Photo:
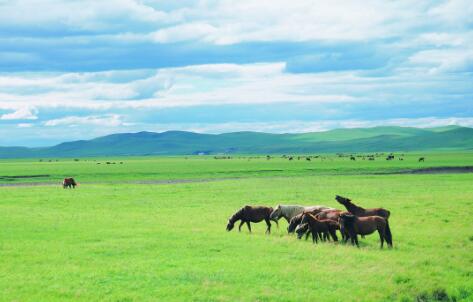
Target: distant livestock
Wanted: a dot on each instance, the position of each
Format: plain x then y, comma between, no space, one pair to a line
421,159
69,183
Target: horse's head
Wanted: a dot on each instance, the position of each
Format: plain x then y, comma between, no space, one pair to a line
301,230
276,214
230,225
341,199
293,223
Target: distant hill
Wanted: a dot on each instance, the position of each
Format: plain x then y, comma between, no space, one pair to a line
188,143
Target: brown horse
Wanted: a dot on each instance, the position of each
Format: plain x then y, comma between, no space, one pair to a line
335,216
320,227
69,183
361,212
249,214
355,226
296,220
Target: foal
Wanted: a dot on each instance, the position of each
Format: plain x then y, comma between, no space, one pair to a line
354,225
318,227
249,214
296,220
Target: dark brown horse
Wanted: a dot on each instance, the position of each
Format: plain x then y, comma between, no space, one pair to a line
249,214
69,183
361,212
320,227
355,226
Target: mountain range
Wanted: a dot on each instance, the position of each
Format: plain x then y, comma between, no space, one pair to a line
375,139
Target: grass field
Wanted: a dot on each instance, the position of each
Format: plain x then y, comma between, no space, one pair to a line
114,240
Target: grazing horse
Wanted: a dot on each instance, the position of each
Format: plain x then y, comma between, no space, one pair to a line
421,159
289,211
319,227
249,214
359,211
69,183
355,226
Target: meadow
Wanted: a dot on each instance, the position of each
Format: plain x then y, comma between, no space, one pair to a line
123,235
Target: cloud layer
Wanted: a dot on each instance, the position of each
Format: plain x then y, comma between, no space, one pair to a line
98,67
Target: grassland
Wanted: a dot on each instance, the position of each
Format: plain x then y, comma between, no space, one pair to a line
116,240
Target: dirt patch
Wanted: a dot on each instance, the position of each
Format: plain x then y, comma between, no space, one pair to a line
140,182
12,178
432,170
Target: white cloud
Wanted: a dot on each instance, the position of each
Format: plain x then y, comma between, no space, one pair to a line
88,15
24,113
25,125
110,120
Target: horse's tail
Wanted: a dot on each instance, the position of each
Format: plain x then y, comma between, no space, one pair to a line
389,236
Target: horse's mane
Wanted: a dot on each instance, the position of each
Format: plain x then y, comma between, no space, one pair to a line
237,215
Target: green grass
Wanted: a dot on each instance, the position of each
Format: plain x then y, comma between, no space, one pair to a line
159,168
130,242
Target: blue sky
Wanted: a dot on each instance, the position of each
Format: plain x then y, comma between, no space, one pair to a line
81,69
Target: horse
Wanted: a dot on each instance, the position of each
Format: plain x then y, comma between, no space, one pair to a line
289,211
69,183
421,159
361,212
249,214
355,225
319,227
296,220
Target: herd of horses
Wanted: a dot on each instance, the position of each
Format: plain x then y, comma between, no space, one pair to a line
321,222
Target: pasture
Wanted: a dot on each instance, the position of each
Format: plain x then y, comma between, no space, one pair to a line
125,235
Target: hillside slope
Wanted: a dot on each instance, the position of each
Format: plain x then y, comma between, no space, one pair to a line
187,143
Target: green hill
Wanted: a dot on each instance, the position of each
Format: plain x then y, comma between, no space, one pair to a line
187,143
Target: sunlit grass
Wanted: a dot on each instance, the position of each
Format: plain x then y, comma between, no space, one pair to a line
168,242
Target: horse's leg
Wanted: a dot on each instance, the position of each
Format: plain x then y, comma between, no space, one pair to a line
307,234
326,236
239,227
356,240
314,237
352,239
249,227
381,237
334,235
268,223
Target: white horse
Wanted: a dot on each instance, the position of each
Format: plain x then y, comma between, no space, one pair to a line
289,211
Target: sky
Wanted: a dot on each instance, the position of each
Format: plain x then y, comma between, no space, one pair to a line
74,70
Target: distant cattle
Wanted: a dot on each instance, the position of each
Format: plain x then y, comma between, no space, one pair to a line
69,183
352,158
421,159
390,157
